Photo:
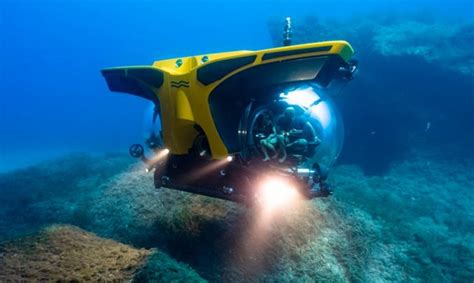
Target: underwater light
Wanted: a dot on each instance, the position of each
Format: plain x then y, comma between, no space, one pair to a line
276,192
149,169
304,97
160,155
322,113
307,98
230,158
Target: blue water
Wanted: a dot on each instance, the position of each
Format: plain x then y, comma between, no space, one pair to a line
53,96
404,183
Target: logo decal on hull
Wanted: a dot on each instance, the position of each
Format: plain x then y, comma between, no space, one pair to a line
179,84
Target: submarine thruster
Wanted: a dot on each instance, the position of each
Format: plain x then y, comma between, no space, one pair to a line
232,121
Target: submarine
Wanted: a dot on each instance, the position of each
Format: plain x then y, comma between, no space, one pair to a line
238,125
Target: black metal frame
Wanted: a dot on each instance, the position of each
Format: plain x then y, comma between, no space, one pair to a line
234,180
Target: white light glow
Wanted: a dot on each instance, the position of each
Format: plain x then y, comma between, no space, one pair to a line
304,171
303,97
229,158
322,113
275,192
160,155
149,169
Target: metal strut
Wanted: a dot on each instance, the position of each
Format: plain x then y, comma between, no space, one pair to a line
287,32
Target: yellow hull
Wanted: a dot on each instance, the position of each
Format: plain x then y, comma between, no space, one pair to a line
208,92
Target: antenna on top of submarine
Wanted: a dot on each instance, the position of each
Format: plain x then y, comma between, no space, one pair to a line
287,32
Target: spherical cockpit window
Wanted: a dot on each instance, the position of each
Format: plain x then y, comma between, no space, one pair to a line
302,127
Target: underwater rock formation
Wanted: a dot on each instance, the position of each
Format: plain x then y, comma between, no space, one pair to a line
411,224
226,241
444,44
422,211
66,253
49,192
437,41
162,268
414,85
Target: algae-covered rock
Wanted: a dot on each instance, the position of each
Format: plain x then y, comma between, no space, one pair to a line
436,40
67,253
444,44
413,87
227,241
411,224
162,268
423,210
223,240
131,209
49,192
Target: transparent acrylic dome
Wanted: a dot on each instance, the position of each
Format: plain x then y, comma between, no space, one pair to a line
323,129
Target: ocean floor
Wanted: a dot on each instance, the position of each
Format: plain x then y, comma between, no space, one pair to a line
83,217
